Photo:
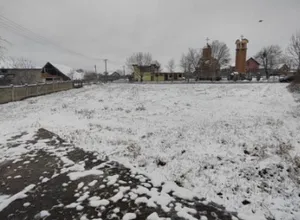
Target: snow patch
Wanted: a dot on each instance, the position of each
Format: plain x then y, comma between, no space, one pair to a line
112,179
97,203
77,175
129,216
20,195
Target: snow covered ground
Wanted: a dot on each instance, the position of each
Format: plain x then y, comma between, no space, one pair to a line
236,144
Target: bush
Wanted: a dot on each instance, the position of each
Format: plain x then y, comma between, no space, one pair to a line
295,84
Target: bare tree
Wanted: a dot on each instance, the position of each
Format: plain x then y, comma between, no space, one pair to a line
269,57
184,63
2,47
186,66
294,50
171,65
193,56
26,76
139,58
221,52
21,63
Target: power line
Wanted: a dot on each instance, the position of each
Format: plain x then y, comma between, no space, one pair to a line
25,32
36,38
11,24
18,32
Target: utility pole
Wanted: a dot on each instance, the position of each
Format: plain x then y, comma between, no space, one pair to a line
105,61
95,69
106,73
124,70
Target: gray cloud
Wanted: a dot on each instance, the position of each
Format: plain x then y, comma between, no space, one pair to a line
115,29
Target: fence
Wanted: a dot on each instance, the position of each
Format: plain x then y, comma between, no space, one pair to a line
17,93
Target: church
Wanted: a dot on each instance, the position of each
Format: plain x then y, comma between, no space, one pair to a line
208,66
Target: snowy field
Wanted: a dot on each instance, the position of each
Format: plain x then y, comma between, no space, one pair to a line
236,145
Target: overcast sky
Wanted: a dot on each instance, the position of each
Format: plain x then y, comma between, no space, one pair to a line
114,29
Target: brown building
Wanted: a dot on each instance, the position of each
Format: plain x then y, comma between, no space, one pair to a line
241,54
208,67
252,67
55,72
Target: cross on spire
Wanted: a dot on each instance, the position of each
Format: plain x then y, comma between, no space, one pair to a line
207,40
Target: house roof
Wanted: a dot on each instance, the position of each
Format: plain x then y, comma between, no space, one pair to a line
251,58
280,65
68,71
112,73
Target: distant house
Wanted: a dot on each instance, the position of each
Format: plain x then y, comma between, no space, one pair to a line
151,73
20,76
15,73
58,72
146,73
252,66
109,76
114,74
281,69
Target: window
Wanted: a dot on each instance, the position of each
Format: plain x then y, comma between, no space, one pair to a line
179,75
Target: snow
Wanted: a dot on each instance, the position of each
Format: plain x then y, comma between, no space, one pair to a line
112,179
93,183
140,200
26,204
20,195
44,214
72,205
116,210
44,180
77,175
185,215
68,71
129,216
153,216
83,197
80,185
79,207
97,203
120,194
201,130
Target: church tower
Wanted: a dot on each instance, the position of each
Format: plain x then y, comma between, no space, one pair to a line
241,55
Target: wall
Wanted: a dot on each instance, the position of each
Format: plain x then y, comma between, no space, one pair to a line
17,93
146,76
